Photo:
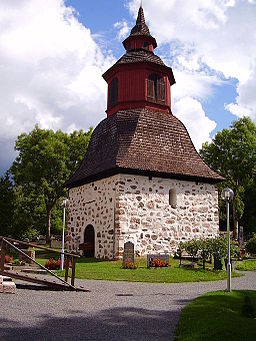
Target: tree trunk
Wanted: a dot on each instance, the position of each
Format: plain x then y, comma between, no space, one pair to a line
235,219
48,224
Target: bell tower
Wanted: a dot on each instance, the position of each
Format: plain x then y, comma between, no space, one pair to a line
139,79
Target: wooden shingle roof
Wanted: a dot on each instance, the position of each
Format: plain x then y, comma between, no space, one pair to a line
140,26
140,56
143,142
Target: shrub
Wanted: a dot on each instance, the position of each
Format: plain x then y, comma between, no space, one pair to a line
30,234
129,265
8,259
217,247
158,263
204,250
54,264
250,246
191,247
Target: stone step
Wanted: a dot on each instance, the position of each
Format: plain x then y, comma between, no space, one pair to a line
5,279
8,288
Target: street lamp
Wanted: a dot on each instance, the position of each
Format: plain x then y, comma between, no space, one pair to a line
64,204
227,195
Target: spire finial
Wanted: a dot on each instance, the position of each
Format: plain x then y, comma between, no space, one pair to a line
140,3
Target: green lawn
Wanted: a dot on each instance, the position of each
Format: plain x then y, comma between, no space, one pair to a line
89,268
112,270
219,316
246,265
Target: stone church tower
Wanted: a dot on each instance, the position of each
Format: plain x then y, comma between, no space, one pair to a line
141,179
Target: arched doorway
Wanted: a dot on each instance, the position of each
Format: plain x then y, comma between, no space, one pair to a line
89,241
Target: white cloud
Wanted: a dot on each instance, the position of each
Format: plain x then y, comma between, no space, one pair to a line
238,110
123,28
191,113
246,100
209,35
196,85
50,70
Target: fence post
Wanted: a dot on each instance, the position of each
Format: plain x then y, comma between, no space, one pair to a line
66,268
73,271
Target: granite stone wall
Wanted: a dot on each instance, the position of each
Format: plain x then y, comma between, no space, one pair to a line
146,217
92,204
155,214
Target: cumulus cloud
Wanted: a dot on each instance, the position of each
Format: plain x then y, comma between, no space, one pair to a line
209,41
123,29
191,113
50,70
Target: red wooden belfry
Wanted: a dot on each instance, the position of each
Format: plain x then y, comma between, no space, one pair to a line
148,85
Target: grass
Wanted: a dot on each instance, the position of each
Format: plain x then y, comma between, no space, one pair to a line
246,265
112,270
90,268
219,316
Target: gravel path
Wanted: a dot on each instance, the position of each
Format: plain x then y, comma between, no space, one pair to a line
110,311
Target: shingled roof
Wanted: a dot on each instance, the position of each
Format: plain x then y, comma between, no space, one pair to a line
144,142
140,26
140,56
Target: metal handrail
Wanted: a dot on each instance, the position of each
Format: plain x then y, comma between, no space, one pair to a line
38,246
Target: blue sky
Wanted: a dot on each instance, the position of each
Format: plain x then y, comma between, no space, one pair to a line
53,53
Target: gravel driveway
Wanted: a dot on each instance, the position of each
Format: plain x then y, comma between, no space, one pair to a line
110,311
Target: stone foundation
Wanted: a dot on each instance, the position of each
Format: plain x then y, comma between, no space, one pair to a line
155,214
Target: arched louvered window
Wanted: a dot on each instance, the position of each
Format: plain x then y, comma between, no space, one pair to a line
113,93
156,89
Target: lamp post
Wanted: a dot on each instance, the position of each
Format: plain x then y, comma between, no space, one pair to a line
64,204
227,195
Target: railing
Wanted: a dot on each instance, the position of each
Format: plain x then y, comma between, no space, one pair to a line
13,243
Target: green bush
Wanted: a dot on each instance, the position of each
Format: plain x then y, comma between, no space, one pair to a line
31,234
192,248
250,246
216,247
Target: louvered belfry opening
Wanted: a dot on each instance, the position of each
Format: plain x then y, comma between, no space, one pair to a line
113,93
156,89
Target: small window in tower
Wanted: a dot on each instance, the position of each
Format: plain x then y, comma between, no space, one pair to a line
173,198
113,93
146,45
156,89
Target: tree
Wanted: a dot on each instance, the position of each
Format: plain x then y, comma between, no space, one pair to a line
6,205
45,161
232,153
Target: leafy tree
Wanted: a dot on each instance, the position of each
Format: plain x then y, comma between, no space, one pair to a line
45,161
6,205
232,153
251,245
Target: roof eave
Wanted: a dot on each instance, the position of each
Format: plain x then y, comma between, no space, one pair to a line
155,174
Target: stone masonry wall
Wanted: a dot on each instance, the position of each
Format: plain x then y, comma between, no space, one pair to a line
125,208
146,218
92,204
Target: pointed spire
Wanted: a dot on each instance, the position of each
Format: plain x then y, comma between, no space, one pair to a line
141,26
